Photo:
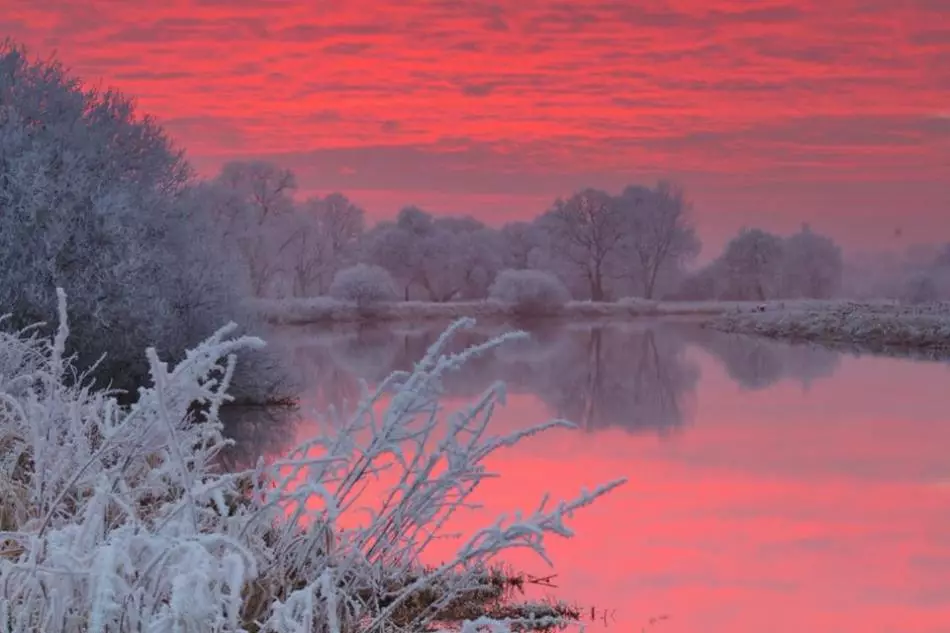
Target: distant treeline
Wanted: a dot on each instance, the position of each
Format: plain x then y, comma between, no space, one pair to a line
95,198
639,243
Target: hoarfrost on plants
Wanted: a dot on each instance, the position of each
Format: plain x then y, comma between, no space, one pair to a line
530,291
363,284
119,519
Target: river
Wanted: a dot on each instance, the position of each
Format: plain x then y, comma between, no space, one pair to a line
772,487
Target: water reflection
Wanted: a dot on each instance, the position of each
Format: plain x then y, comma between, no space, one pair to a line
637,377
633,378
804,489
756,363
257,431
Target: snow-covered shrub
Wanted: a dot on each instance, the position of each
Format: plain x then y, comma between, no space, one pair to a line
118,518
363,284
94,198
438,259
529,291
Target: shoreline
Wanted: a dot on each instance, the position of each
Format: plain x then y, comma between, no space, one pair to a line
322,310
860,327
248,542
921,332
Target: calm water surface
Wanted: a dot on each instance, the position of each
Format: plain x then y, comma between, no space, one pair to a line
772,488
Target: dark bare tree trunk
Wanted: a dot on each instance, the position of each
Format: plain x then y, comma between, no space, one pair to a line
597,285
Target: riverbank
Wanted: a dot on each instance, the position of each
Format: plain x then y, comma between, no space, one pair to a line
138,491
323,310
880,328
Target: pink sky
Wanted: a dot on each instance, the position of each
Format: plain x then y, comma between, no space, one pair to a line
835,112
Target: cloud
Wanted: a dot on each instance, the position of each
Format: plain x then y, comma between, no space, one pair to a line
309,32
210,133
547,95
347,48
478,90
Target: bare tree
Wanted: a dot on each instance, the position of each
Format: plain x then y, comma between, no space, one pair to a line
459,259
395,246
265,187
305,255
325,240
752,265
445,258
660,237
256,213
521,243
813,265
586,234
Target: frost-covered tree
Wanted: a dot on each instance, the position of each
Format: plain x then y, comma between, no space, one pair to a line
255,211
522,244
529,291
325,239
751,266
586,237
363,284
94,198
395,246
392,247
477,260
757,265
813,266
444,259
659,238
414,220
457,259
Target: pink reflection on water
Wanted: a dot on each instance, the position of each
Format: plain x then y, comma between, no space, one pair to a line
777,510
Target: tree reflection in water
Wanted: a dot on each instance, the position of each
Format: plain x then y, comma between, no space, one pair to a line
637,376
756,363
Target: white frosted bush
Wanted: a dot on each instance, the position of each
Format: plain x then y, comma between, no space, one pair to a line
529,291
119,519
363,284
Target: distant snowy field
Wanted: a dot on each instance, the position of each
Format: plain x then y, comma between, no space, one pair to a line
868,326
